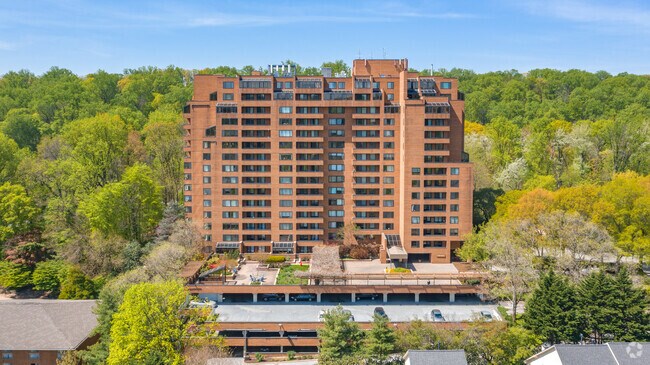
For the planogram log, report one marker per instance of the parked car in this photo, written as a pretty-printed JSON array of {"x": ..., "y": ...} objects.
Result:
[
  {"x": 487, "y": 316},
  {"x": 303, "y": 297},
  {"x": 436, "y": 316},
  {"x": 366, "y": 296},
  {"x": 272, "y": 297},
  {"x": 379, "y": 311}
]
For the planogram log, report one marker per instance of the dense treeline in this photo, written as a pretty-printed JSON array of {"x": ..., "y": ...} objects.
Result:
[{"x": 91, "y": 176}]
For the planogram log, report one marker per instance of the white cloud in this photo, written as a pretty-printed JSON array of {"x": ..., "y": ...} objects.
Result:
[{"x": 6, "y": 46}]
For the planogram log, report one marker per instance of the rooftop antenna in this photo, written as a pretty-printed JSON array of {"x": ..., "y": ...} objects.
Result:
[
  {"x": 432, "y": 69},
  {"x": 383, "y": 51},
  {"x": 359, "y": 53}
]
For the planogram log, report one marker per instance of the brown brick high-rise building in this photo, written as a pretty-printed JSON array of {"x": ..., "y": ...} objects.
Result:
[{"x": 278, "y": 164}]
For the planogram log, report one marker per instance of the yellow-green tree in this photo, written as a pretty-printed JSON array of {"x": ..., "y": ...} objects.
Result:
[
  {"x": 148, "y": 327},
  {"x": 130, "y": 208}
]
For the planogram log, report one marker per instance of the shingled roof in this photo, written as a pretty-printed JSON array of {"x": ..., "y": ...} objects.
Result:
[
  {"x": 325, "y": 261},
  {"x": 41, "y": 324}
]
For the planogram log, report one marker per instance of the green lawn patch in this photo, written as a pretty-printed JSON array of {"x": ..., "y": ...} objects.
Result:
[{"x": 286, "y": 277}]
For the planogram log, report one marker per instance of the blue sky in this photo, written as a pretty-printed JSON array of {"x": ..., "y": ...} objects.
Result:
[{"x": 483, "y": 35}]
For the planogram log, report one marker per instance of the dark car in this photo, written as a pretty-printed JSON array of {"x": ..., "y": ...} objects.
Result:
[
  {"x": 379, "y": 311},
  {"x": 303, "y": 297},
  {"x": 366, "y": 296},
  {"x": 272, "y": 297}
]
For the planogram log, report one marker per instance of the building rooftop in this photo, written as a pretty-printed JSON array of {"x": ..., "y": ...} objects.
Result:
[
  {"x": 436, "y": 357},
  {"x": 42, "y": 324},
  {"x": 613, "y": 353}
]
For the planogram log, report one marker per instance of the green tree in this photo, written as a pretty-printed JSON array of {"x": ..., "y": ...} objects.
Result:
[
  {"x": 551, "y": 310},
  {"x": 17, "y": 211},
  {"x": 23, "y": 127},
  {"x": 130, "y": 208},
  {"x": 340, "y": 338},
  {"x": 380, "y": 340},
  {"x": 14, "y": 276},
  {"x": 77, "y": 285},
  {"x": 338, "y": 66},
  {"x": 147, "y": 328},
  {"x": 10, "y": 156},
  {"x": 631, "y": 306},
  {"x": 48, "y": 275},
  {"x": 511, "y": 346},
  {"x": 164, "y": 145},
  {"x": 98, "y": 146},
  {"x": 506, "y": 137}
]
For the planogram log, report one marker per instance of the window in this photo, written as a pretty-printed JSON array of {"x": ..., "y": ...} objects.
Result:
[
  {"x": 334, "y": 167},
  {"x": 208, "y": 191},
  {"x": 415, "y": 220},
  {"x": 207, "y": 203},
  {"x": 286, "y": 214},
  {"x": 454, "y": 171},
  {"x": 390, "y": 85},
  {"x": 7, "y": 355},
  {"x": 286, "y": 133},
  {"x": 286, "y": 144},
  {"x": 285, "y": 110},
  {"x": 207, "y": 168},
  {"x": 335, "y": 190},
  {"x": 211, "y": 132},
  {"x": 331, "y": 85},
  {"x": 230, "y": 203},
  {"x": 335, "y": 213},
  {"x": 454, "y": 183},
  {"x": 286, "y": 203},
  {"x": 453, "y": 232},
  {"x": 415, "y": 244},
  {"x": 286, "y": 226},
  {"x": 389, "y": 133},
  {"x": 389, "y": 203},
  {"x": 453, "y": 207},
  {"x": 336, "y": 179},
  {"x": 228, "y": 96},
  {"x": 415, "y": 171},
  {"x": 34, "y": 355},
  {"x": 389, "y": 180},
  {"x": 453, "y": 220},
  {"x": 229, "y": 168},
  {"x": 415, "y": 231},
  {"x": 390, "y": 96},
  {"x": 286, "y": 191},
  {"x": 228, "y": 85},
  {"x": 207, "y": 214},
  {"x": 337, "y": 133},
  {"x": 454, "y": 195},
  {"x": 389, "y": 168},
  {"x": 445, "y": 85},
  {"x": 286, "y": 180},
  {"x": 285, "y": 121},
  {"x": 206, "y": 144},
  {"x": 229, "y": 133},
  {"x": 336, "y": 121}
]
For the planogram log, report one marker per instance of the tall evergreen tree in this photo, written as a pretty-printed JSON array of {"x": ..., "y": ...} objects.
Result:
[
  {"x": 380, "y": 340},
  {"x": 341, "y": 339},
  {"x": 551, "y": 310},
  {"x": 630, "y": 306},
  {"x": 598, "y": 317}
]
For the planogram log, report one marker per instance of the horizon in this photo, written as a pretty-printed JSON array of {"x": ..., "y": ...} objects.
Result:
[{"x": 498, "y": 35}]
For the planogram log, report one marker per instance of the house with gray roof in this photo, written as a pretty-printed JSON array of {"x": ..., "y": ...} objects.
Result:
[
  {"x": 38, "y": 331},
  {"x": 435, "y": 357},
  {"x": 612, "y": 353}
]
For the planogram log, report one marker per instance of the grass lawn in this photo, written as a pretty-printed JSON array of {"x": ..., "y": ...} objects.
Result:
[{"x": 286, "y": 277}]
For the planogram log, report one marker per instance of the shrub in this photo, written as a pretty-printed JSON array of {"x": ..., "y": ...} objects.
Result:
[
  {"x": 259, "y": 357},
  {"x": 14, "y": 276},
  {"x": 291, "y": 355},
  {"x": 232, "y": 255},
  {"x": 77, "y": 286},
  {"x": 399, "y": 270},
  {"x": 275, "y": 259},
  {"x": 48, "y": 275},
  {"x": 359, "y": 253}
]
